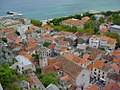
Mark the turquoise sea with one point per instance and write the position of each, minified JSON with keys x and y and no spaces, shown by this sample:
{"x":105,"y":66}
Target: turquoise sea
{"x":45,"y":9}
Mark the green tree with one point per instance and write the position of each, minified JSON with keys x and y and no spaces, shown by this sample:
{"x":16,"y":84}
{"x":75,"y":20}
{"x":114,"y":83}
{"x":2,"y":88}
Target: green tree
{"x":6,"y":75}
{"x":46,"y":44}
{"x":4,"y":39}
{"x":36,"y":22}
{"x":101,"y":20}
{"x":110,"y":18}
{"x":89,"y":24}
{"x":49,"y":78}
{"x":116,"y":21}
{"x":17,"y":32}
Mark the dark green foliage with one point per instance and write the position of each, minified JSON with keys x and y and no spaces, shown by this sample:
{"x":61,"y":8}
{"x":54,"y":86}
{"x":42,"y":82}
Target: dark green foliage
{"x":9,"y":78}
{"x":4,"y":39}
{"x":101,"y":20}
{"x":89,"y":24}
{"x":17,"y":32}
{"x":46,"y":44}
{"x":36,"y":22}
{"x":49,"y":78}
{"x":38,"y":71}
{"x":36,"y":56}
{"x":102,"y":49}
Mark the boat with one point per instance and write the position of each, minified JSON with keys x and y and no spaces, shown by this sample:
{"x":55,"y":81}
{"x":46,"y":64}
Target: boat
{"x":13,"y":13}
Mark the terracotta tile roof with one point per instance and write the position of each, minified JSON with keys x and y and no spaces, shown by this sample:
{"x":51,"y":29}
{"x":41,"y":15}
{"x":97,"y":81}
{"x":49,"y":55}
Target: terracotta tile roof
{"x":19,"y":19}
{"x":26,"y":54}
{"x":74,"y":22}
{"x":69,"y":67}
{"x":94,"y":36}
{"x":93,"y":87}
{"x":116,"y":67}
{"x":8,"y":30}
{"x":43,"y":35}
{"x":104,"y":38}
{"x":51,"y":60}
{"x":33,"y":80}
{"x":112,"y":40}
{"x":18,"y":40}
{"x":115,"y":77}
{"x":69,"y":56}
{"x":83,"y":61}
{"x":104,"y":30}
{"x":14,"y":38}
{"x":116,"y":53}
{"x":98,"y":64}
{"x":85,"y":18}
{"x":11,"y":36}
{"x":116,"y":60}
{"x":31,"y":46}
{"x":63,"y":49}
{"x":112,"y":86}
{"x":65,"y":78}
{"x":53,"y":67}
{"x":49,"y":38}
{"x":77,"y":59}
{"x":86,"y":56}
{"x":52,"y":45}
{"x":30,"y":31}
{"x":47,"y":28}
{"x":34,"y":27}
{"x":90,"y":66}
{"x":93,"y":56}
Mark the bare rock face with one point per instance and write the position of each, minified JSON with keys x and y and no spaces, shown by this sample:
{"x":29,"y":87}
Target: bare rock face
{"x":6,"y":55}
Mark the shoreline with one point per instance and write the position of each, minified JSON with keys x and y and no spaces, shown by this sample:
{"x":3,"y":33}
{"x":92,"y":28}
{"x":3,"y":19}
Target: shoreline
{"x":90,"y":11}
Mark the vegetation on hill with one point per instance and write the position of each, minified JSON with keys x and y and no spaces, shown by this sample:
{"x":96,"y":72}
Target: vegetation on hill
{"x":9,"y":78}
{"x":48,"y":78}
{"x":36,"y":22}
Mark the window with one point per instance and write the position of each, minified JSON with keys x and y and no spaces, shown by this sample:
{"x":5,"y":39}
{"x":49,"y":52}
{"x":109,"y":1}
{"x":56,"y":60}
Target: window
{"x":99,"y":71}
{"x":103,"y":73}
{"x":95,"y":69}
{"x":22,"y":68}
{"x":102,"y":76}
{"x":95,"y":73}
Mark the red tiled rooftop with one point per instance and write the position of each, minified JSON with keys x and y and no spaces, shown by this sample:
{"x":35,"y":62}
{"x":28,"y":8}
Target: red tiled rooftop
{"x":112,"y":86}
{"x":52,"y":45}
{"x":116,"y":67}
{"x":98,"y":64}
{"x":76,"y":22}
{"x":104,"y":30}
{"x":65,"y":78}
{"x":47,"y":28}
{"x":53,"y":67}
{"x":93,"y":87}
{"x":116,"y":53}
{"x":116,"y":60}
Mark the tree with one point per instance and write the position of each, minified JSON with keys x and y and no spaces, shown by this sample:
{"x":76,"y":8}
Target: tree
{"x":4,"y":39}
{"x":46,"y":44}
{"x":49,"y":78}
{"x":89,"y":24}
{"x":17,"y":32}
{"x":6,"y":75}
{"x":101,"y":20}
{"x":93,"y":18}
{"x":36,"y":22}
{"x":116,"y":21}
